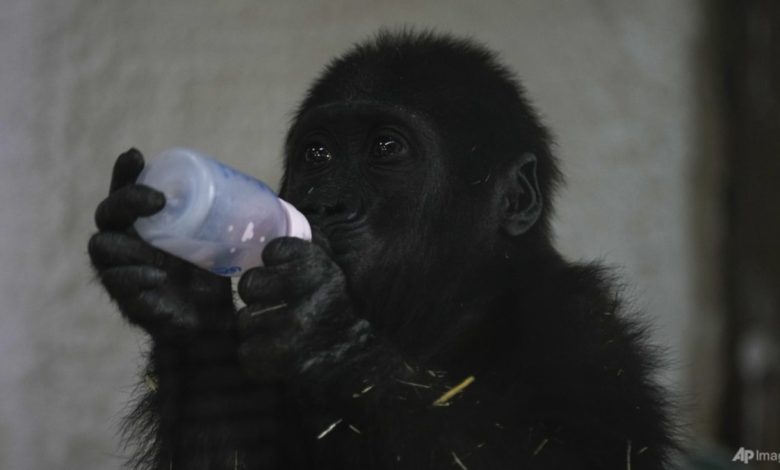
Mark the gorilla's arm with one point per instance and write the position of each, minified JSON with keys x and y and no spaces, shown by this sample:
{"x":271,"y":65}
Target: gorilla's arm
{"x":366,"y":403}
{"x":300,"y":326}
{"x":198,"y":408}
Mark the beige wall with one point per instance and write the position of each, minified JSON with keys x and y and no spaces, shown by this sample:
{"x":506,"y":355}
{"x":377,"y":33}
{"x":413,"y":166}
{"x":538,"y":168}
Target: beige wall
{"x":622,"y":83}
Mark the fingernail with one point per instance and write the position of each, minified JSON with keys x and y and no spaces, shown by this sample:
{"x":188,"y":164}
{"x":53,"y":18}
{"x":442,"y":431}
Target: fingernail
{"x":158,"y":198}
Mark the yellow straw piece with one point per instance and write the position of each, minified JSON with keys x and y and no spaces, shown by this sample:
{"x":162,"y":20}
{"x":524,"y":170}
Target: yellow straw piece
{"x":444,"y":399}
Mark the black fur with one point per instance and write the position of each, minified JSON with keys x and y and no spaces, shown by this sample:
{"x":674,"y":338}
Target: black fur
{"x":429,"y":180}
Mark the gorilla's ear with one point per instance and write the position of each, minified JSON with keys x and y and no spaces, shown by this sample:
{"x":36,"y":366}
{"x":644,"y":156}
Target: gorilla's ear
{"x":521,"y":199}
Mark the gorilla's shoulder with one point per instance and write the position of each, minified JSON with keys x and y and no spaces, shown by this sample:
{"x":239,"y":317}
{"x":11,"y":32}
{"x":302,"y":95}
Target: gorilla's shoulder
{"x":575,"y":317}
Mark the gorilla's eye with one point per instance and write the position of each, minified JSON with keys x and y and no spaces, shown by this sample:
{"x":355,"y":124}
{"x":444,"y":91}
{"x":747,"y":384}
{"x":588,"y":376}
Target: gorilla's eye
{"x":317,"y":154}
{"x":387,"y":147}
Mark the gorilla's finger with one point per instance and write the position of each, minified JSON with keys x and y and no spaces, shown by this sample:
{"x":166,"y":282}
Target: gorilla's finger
{"x":254,"y":320}
{"x":262,"y":285}
{"x":213,"y":289}
{"x":126,"y":169}
{"x":126,"y":282}
{"x":122,"y":207}
{"x":158,"y":311}
{"x":108,"y":249}
{"x":292,"y":280}
{"x":286,"y":249}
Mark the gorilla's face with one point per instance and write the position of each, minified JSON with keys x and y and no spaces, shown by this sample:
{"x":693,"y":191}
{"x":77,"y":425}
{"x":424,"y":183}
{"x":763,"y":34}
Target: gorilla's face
{"x":419,"y":168}
{"x":370,"y":177}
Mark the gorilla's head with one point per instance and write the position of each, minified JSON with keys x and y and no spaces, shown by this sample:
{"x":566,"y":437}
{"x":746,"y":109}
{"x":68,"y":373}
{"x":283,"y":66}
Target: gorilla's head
{"x":418,"y":155}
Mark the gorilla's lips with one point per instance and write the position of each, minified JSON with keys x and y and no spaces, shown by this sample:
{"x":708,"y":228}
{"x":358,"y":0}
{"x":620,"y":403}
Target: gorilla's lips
{"x":343,"y":233}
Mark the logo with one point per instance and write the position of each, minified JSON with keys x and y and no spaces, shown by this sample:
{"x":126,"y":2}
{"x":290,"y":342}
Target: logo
{"x":748,"y":455}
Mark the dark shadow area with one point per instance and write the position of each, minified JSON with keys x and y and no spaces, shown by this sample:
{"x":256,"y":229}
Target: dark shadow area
{"x":750,"y":66}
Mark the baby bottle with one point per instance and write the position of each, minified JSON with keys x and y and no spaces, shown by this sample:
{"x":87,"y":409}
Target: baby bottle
{"x":214,"y":216}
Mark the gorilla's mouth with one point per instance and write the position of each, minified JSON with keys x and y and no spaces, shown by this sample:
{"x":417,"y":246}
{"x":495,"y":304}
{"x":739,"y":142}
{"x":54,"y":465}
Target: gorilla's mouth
{"x":344,"y":233}
{"x":348,"y":226}
{"x":338,"y":218}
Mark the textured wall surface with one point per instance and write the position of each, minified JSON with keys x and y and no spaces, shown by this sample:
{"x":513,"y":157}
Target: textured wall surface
{"x":80,"y":81}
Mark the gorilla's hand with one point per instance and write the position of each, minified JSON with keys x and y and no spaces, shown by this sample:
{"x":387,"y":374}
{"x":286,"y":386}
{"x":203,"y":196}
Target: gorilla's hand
{"x":164,"y":295}
{"x":298,"y":313}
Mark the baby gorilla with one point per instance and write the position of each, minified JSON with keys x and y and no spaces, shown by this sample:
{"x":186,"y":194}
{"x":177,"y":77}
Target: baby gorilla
{"x":430,"y":325}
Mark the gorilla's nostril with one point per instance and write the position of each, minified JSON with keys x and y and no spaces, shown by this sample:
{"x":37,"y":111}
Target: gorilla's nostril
{"x":334,"y":209}
{"x":328,"y":211}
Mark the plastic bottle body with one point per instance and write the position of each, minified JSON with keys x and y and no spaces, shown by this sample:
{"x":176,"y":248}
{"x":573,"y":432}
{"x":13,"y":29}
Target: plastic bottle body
{"x":215,"y":216}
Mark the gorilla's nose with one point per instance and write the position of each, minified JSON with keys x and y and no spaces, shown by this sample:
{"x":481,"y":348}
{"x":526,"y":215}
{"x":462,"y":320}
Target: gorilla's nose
{"x":327,"y":211}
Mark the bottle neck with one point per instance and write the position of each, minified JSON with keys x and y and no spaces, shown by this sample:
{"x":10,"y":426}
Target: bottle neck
{"x":297,"y":225}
